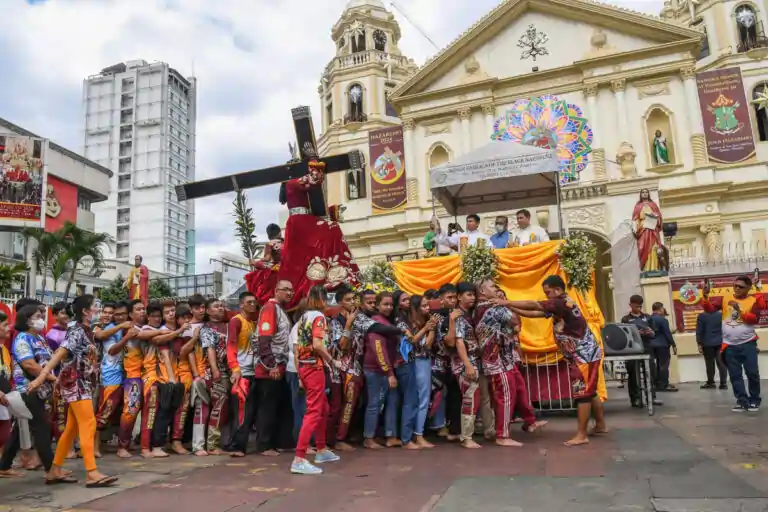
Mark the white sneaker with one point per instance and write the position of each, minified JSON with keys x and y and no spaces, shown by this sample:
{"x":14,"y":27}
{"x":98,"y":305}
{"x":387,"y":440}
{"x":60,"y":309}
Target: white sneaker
{"x":303,"y":467}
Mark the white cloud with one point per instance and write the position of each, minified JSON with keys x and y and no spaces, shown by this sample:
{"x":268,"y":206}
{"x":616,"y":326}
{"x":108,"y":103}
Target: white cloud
{"x":254,"y":61}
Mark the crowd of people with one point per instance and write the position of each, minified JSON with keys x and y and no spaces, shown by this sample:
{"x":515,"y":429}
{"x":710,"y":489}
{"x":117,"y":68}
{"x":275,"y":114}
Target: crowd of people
{"x":377,"y":370}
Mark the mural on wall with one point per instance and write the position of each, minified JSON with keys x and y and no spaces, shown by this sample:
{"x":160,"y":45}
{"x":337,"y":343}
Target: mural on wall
{"x":22,"y":176}
{"x":552,"y":123}
{"x":60,"y":203}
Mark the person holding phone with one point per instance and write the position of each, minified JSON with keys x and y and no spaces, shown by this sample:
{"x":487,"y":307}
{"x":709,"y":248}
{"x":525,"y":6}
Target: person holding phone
{"x":643,"y":322}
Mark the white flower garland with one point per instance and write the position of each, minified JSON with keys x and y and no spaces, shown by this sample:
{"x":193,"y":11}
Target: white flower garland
{"x":478,"y":263}
{"x":578,"y":256}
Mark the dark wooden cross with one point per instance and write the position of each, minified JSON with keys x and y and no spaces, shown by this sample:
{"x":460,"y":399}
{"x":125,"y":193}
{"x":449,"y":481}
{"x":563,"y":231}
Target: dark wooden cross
{"x":305,"y":150}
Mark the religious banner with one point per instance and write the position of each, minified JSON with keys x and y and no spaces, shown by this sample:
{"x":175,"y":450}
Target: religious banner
{"x":388,"y":187}
{"x":22,"y":175}
{"x":725,"y":113}
{"x":687,"y":296}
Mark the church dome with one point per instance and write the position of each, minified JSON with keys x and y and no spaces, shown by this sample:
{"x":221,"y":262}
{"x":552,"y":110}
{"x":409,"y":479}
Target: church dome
{"x":365,"y":3}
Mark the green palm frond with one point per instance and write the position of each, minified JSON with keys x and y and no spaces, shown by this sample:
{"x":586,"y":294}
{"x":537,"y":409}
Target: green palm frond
{"x":11,"y":275}
{"x":245,"y":226}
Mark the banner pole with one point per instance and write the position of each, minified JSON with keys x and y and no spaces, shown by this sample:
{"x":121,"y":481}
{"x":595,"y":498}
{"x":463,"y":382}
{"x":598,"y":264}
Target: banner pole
{"x":563,"y":230}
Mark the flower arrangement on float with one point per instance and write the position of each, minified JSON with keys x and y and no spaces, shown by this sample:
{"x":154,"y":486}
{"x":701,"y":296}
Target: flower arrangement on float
{"x":378,"y":277}
{"x":578,"y":256}
{"x":478,"y":263}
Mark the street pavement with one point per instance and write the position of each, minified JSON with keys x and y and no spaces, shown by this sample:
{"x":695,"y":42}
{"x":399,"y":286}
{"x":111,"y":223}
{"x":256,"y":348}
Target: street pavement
{"x":693,"y":455}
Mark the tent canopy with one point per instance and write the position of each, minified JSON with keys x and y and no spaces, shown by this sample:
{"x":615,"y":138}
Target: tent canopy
{"x":502,"y":175}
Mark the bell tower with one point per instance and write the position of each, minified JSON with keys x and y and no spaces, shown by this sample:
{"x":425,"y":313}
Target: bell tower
{"x":354,"y":93}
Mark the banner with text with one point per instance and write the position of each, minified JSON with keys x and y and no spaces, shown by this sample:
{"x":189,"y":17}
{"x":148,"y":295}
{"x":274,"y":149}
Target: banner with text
{"x":725,"y":113}
{"x":687,"y":295}
{"x":389,"y":192}
{"x":22,"y":177}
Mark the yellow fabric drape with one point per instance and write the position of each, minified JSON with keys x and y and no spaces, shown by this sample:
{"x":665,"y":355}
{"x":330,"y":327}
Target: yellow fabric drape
{"x":521,"y":272}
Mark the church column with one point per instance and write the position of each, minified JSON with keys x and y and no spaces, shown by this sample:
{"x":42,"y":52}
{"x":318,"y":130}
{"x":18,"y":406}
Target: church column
{"x":598,"y":151}
{"x":622,"y":115}
{"x":696,"y":126}
{"x":466,"y":133}
{"x":489,"y":111}
{"x":410,"y":169}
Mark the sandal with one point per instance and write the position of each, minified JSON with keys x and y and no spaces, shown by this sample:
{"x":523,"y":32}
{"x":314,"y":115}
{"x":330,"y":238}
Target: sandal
{"x":61,"y":480}
{"x":106,"y":481}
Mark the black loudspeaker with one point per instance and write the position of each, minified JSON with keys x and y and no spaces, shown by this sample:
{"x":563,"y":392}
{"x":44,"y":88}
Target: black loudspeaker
{"x":622,"y":340}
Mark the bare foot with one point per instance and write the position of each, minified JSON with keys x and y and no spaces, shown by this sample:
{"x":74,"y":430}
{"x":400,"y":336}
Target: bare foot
{"x":216,"y":451}
{"x":147,"y":454}
{"x":159,"y":452}
{"x":341,"y":446}
{"x":443,"y":432}
{"x":371,"y":444}
{"x":178,"y":448}
{"x":270,"y":453}
{"x":10,"y":473}
{"x":576,"y":441}
{"x":423,"y":442}
{"x":469,"y":443}
{"x":236,"y":454}
{"x":490,"y":436}
{"x":124,"y":454}
{"x":533,"y":427}
{"x":72,"y":455}
{"x":97,"y":455}
{"x":508,"y":442}
{"x":201,"y":453}
{"x":393,"y":442}
{"x":598,"y":430}
{"x":411,"y":446}
{"x":452,"y":438}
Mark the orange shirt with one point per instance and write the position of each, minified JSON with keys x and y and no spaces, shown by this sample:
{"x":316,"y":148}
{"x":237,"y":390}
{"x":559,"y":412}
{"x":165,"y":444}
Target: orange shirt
{"x":152,"y":362}
{"x":133,"y":359}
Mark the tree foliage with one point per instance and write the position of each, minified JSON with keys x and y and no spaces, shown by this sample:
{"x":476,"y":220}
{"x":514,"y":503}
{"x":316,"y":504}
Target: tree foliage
{"x":79,"y":245}
{"x":245,"y":225}
{"x":11,"y":276}
{"x":159,"y":289}
{"x":115,"y":291}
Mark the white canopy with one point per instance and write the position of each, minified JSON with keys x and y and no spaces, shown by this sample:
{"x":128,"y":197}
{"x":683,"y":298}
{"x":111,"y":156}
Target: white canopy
{"x":502,"y":175}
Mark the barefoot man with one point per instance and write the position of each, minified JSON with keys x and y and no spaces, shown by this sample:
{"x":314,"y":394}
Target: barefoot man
{"x":578,"y":346}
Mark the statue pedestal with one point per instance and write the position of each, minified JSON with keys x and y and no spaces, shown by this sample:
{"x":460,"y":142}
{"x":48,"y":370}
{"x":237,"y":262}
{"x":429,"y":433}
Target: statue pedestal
{"x":657,"y":289}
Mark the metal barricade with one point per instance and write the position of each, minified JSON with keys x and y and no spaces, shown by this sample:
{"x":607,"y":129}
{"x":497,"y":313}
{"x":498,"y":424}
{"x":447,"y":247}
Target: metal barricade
{"x":549,"y":386}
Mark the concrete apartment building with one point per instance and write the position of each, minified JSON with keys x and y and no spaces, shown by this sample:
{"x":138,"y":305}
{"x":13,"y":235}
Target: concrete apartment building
{"x":139,"y":121}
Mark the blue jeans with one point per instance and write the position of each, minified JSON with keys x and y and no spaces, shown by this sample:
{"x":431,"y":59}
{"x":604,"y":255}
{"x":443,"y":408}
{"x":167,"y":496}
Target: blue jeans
{"x":423,"y":373}
{"x":406,"y":385}
{"x":376,"y":385}
{"x":298,"y":402}
{"x":744,"y":356}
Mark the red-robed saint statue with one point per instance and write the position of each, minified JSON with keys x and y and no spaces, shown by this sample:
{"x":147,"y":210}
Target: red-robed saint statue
{"x":647,"y":222}
{"x":314,"y":250}
{"x":138,"y":281}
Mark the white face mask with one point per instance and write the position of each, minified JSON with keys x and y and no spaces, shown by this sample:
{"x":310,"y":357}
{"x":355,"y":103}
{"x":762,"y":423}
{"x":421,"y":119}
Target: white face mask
{"x":38,"y":324}
{"x":500,"y":228}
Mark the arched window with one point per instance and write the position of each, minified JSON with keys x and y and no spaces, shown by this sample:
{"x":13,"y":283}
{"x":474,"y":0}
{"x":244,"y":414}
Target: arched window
{"x":389,"y":109}
{"x":342,"y":43}
{"x":356,"y":184}
{"x":380,"y":40}
{"x":761,"y":114}
{"x":358,"y":40}
{"x":356,"y":104}
{"x":747,"y":28}
{"x":438,"y":156}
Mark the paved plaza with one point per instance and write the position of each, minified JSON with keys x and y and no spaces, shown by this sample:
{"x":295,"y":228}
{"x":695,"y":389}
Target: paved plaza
{"x":694,"y":455}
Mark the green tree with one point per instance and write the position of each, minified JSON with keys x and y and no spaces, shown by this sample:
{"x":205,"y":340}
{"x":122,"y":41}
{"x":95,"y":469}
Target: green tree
{"x":47,"y":254}
{"x":11,"y":275}
{"x":159,"y":289}
{"x":79,"y":245}
{"x":245,"y":226}
{"x":115,"y":291}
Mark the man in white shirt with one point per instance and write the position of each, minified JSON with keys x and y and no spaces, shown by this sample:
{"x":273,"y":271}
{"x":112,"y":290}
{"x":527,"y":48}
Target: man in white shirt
{"x":472,"y":235}
{"x":525,"y":234}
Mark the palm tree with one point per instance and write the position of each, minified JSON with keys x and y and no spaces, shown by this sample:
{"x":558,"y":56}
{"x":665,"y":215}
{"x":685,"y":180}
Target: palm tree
{"x":79,"y":244}
{"x":47,"y":254}
{"x":11,"y":275}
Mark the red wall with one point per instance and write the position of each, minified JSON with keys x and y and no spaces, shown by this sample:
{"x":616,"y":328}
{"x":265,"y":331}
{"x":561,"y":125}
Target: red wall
{"x":67,"y":197}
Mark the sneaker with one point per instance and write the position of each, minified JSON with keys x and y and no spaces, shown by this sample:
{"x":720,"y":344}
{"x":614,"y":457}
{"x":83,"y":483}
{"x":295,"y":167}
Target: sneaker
{"x":326,"y":456}
{"x":739,"y":408}
{"x":708,"y":385}
{"x":753,"y":408}
{"x":723,"y":386}
{"x":303,"y":467}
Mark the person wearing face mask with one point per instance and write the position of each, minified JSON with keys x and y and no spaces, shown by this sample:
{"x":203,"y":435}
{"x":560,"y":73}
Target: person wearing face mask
{"x":500,"y":239}
{"x":78,"y":356}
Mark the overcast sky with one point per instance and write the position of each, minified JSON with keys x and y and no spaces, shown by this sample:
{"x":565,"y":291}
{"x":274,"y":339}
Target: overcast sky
{"x":254,"y":61}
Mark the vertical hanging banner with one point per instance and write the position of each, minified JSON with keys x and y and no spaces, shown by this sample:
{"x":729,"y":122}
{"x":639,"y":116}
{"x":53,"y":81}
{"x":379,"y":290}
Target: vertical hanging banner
{"x":22,"y":178}
{"x":725,"y":113}
{"x":387,"y":156}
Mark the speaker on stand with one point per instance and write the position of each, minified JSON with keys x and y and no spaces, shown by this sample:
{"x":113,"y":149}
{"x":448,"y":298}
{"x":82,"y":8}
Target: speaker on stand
{"x":622,"y":340}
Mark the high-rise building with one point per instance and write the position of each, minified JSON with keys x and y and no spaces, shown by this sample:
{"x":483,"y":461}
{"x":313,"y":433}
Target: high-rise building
{"x":140,"y":122}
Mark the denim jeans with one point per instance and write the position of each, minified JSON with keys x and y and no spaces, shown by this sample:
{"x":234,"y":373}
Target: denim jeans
{"x":438,"y":418}
{"x":423,"y":374}
{"x":406,"y":386}
{"x":376,"y":384}
{"x":744,"y":356}
{"x":298,"y":402}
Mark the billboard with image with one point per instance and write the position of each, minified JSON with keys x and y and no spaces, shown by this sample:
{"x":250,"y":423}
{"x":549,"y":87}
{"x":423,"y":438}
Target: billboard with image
{"x":22,"y":181}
